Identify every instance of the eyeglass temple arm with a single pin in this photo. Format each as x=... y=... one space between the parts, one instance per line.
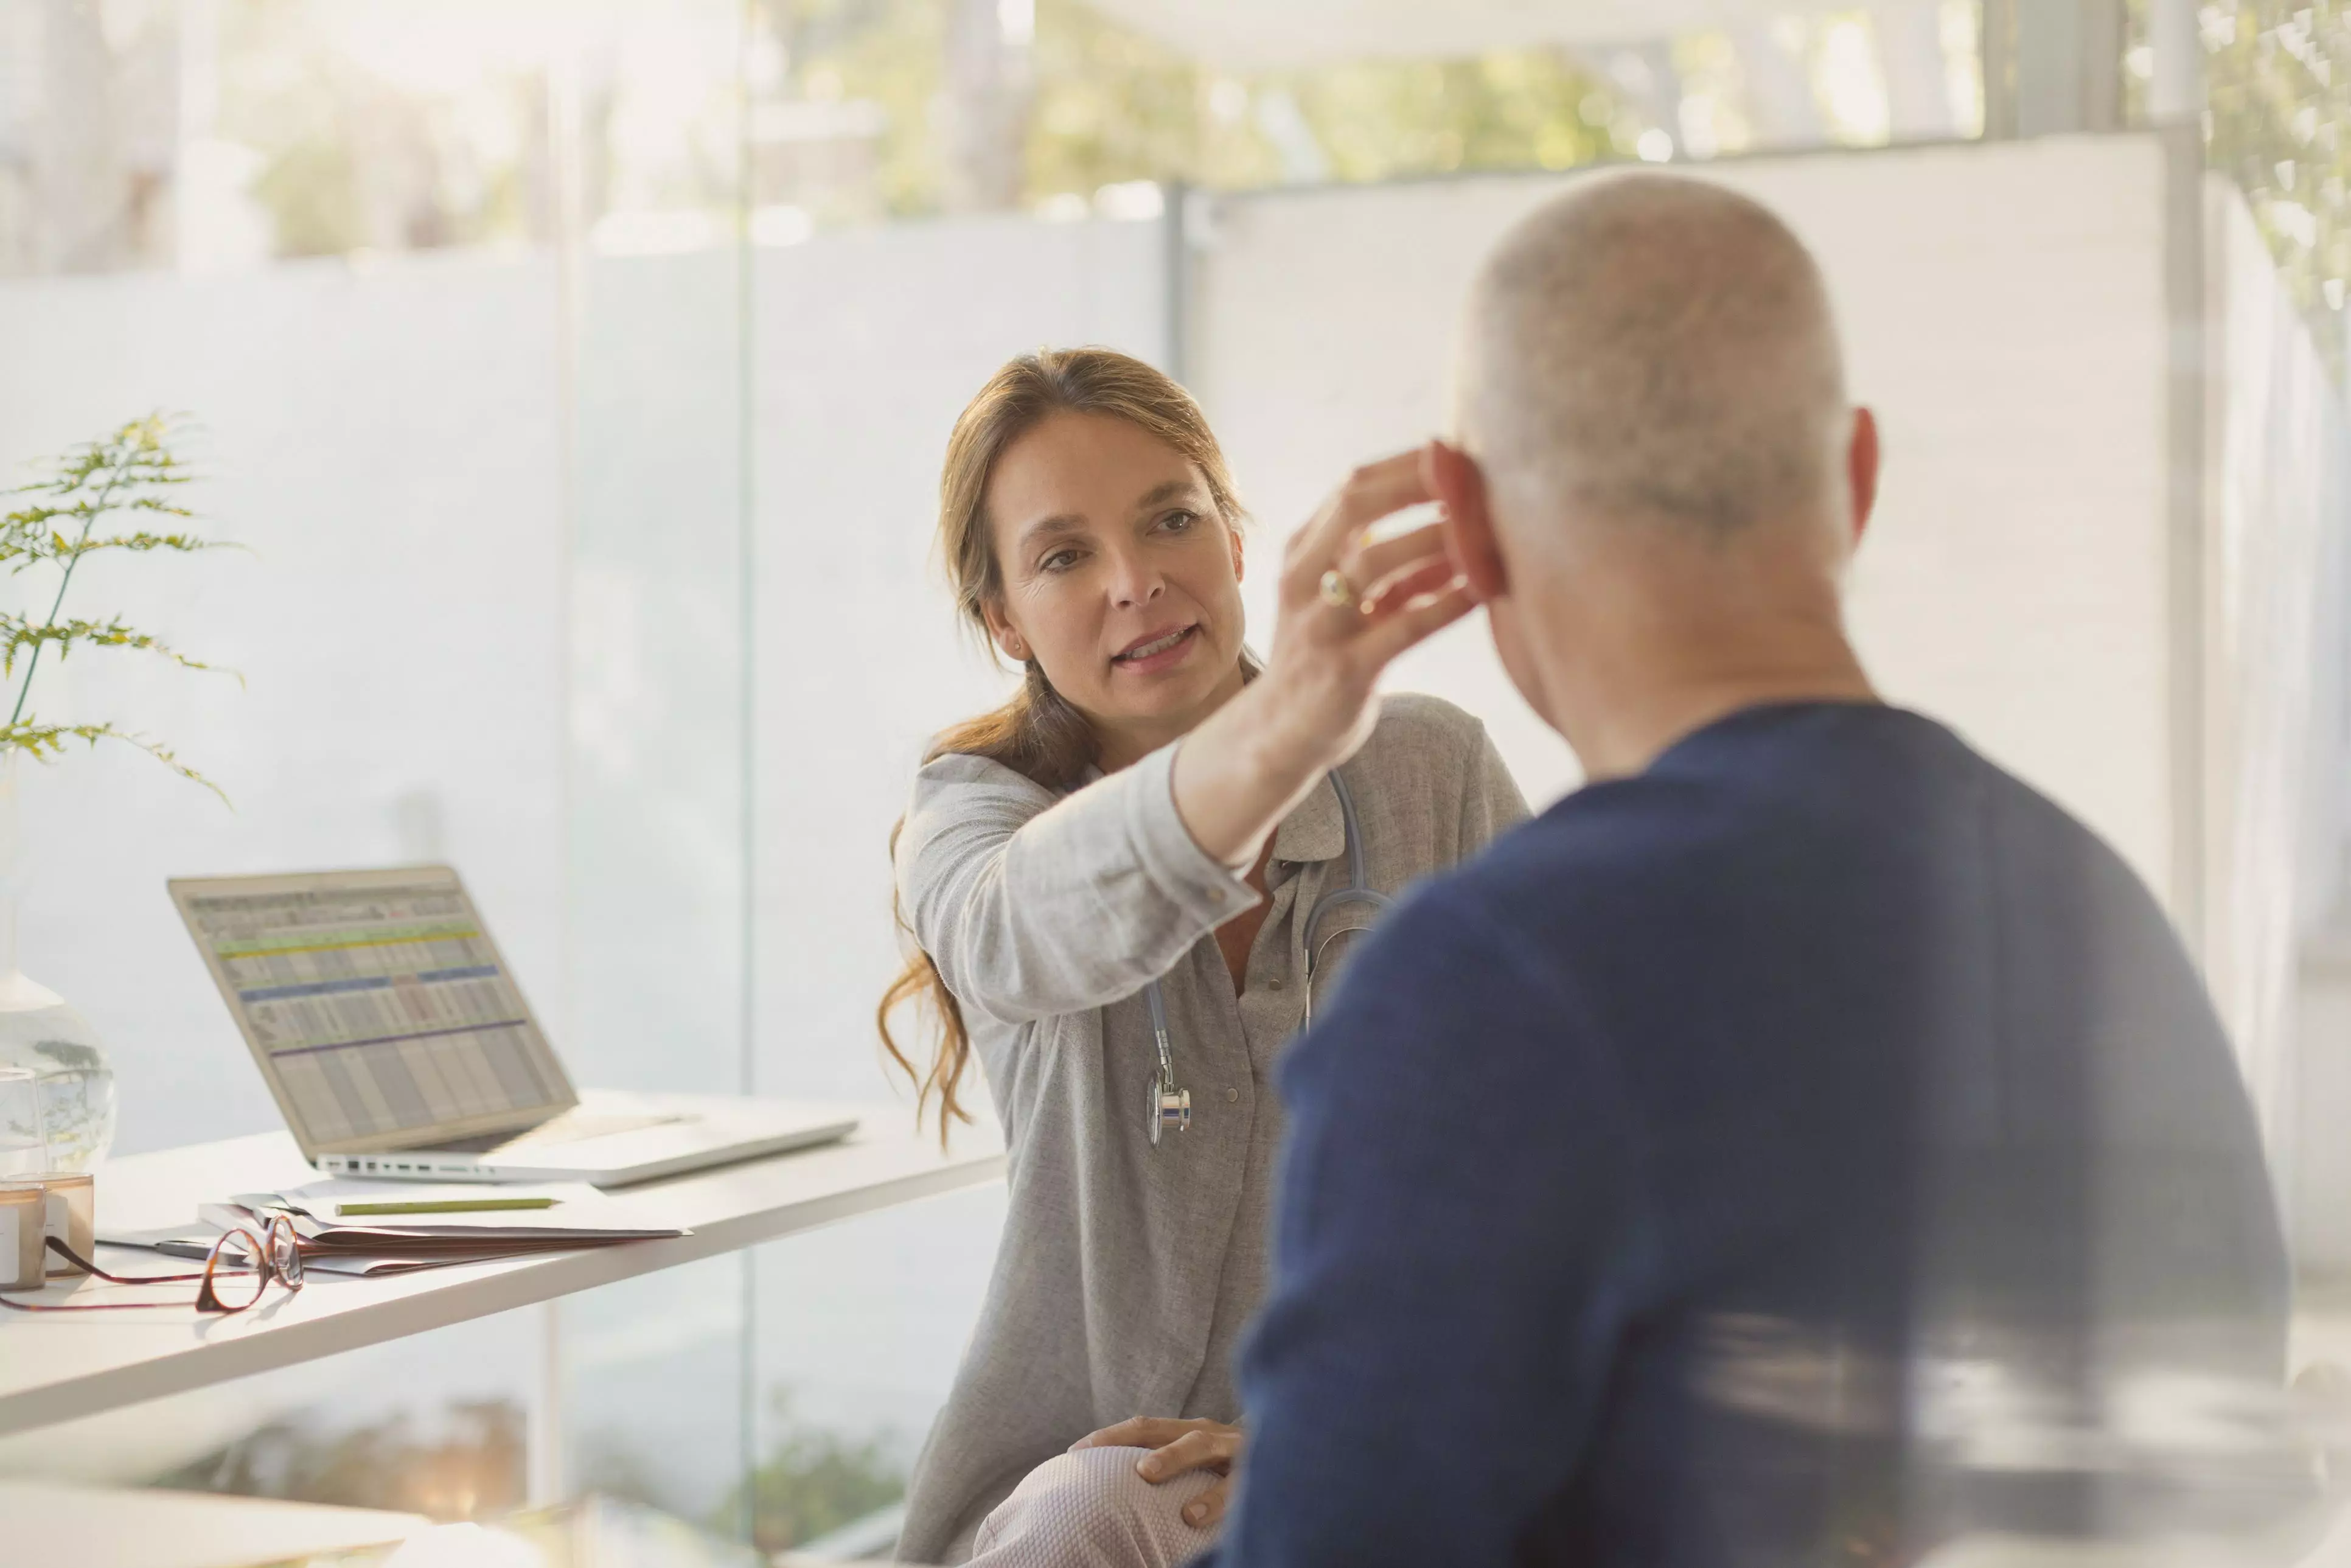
x=86 y=1267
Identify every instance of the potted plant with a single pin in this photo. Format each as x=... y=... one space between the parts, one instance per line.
x=118 y=492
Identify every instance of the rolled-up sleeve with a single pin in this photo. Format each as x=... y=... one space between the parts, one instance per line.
x=1033 y=904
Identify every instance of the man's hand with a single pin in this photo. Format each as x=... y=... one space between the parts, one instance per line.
x=1176 y=1448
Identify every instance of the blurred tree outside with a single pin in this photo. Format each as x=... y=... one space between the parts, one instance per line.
x=245 y=130
x=836 y=84
x=468 y=1465
x=811 y=1482
x=318 y=127
x=89 y=120
x=1107 y=107
x=350 y=160
x=158 y=134
x=2279 y=124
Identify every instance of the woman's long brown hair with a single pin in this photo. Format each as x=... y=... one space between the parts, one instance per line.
x=1038 y=734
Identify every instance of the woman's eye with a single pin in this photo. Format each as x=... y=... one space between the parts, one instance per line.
x=1178 y=522
x=1059 y=561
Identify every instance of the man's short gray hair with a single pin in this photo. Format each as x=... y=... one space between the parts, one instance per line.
x=1654 y=348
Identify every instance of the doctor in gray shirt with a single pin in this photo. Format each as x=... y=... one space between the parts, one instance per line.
x=1151 y=807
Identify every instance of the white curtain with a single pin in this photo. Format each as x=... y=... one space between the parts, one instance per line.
x=2272 y=681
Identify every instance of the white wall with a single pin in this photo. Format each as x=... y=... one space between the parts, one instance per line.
x=868 y=347
x=2003 y=311
x=2274 y=555
x=384 y=441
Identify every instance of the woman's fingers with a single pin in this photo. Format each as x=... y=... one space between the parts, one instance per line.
x=1371 y=493
x=1135 y=1432
x=1317 y=704
x=1412 y=580
x=1178 y=1447
x=1369 y=562
x=1209 y=1509
x=1417 y=620
x=1200 y=1448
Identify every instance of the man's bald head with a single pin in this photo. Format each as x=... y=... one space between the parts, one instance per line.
x=1656 y=350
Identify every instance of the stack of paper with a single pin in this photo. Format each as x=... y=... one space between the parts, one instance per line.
x=373 y=1227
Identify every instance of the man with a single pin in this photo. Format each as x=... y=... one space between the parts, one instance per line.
x=1797 y=1145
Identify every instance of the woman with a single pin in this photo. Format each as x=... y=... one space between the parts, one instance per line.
x=1149 y=789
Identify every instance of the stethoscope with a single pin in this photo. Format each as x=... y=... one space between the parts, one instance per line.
x=1171 y=1106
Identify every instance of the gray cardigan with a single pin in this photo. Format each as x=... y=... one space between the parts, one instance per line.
x=1124 y=1272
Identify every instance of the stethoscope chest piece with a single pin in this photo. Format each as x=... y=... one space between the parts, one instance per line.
x=1172 y=1106
x=1169 y=1108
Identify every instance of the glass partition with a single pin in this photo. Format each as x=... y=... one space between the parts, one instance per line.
x=453 y=298
x=578 y=373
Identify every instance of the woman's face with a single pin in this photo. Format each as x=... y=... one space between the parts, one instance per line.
x=1121 y=580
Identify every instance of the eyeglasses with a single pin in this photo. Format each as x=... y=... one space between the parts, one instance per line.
x=236 y=1272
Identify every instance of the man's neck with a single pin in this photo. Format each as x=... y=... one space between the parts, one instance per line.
x=1622 y=736
x=1640 y=676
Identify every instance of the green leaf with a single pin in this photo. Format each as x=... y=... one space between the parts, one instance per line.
x=47 y=742
x=18 y=635
x=55 y=524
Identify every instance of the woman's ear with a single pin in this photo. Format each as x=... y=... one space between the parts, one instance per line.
x=1006 y=635
x=1240 y=556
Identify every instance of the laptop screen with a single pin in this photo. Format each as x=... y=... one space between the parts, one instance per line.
x=377 y=1004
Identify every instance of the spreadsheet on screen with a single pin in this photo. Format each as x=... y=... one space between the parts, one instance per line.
x=380 y=1008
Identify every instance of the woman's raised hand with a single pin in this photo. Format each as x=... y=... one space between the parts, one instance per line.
x=1177 y=1448
x=1330 y=647
x=1349 y=605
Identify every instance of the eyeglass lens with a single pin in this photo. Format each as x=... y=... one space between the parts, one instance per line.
x=236 y=1272
x=241 y=1266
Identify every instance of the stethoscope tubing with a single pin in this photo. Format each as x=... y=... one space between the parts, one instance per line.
x=1171 y=1105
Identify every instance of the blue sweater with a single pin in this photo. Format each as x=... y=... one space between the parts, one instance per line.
x=1669 y=1184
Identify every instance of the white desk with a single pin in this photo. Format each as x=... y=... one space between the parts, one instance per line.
x=55 y=1366
x=52 y=1523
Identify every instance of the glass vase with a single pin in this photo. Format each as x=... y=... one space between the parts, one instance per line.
x=39 y=1031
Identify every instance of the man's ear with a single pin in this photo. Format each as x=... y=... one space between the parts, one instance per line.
x=1453 y=477
x=1861 y=460
x=1006 y=635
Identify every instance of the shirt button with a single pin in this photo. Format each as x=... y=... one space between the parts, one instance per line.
x=1232 y=1093
x=1273 y=985
x=1215 y=895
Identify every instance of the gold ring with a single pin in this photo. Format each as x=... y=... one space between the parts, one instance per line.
x=1338 y=592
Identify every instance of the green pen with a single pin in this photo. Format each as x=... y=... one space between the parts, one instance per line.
x=445 y=1206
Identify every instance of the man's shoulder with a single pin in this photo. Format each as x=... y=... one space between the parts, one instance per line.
x=1515 y=913
x=1879 y=800
x=1596 y=845
x=1663 y=848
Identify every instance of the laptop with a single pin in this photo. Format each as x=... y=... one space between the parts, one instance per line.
x=398 y=1045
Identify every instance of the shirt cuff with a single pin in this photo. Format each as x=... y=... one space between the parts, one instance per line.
x=1171 y=857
